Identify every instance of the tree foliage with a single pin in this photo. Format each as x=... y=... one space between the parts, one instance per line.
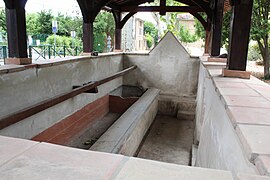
x=225 y=33
x=260 y=30
x=181 y=32
x=104 y=26
x=151 y=33
x=63 y=41
x=44 y=22
x=3 y=27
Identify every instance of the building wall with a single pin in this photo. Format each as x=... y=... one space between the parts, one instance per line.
x=140 y=42
x=133 y=35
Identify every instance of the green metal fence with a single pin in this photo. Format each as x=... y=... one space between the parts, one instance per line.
x=3 y=52
x=48 y=51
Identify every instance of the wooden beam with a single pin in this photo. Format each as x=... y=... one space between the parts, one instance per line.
x=125 y=19
x=187 y=2
x=34 y=109
x=88 y=37
x=200 y=18
x=204 y=6
x=119 y=24
x=159 y=9
x=118 y=30
x=16 y=28
x=239 y=35
x=162 y=5
x=217 y=28
x=138 y=2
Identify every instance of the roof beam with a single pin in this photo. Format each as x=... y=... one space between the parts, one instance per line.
x=204 y=6
x=159 y=9
x=187 y=2
x=162 y=5
x=200 y=18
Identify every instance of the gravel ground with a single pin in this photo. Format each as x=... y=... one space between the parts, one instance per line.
x=256 y=70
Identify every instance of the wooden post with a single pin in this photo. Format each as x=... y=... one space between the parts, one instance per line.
x=118 y=38
x=207 y=41
x=239 y=35
x=88 y=37
x=217 y=28
x=16 y=30
x=118 y=30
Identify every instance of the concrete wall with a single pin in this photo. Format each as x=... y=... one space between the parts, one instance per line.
x=219 y=145
x=167 y=67
x=48 y=79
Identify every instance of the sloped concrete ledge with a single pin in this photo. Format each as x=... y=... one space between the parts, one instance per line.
x=240 y=109
x=25 y=160
x=126 y=134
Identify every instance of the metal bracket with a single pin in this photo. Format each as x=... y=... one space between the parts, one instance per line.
x=94 y=90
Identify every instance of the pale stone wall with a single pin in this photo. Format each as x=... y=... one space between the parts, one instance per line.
x=167 y=67
x=29 y=86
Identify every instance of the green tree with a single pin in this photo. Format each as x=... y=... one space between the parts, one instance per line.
x=200 y=32
x=31 y=24
x=152 y=31
x=260 y=30
x=3 y=27
x=44 y=22
x=104 y=26
x=182 y=33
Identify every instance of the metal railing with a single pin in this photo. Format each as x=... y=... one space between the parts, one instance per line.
x=34 y=109
x=3 y=52
x=43 y=52
x=48 y=51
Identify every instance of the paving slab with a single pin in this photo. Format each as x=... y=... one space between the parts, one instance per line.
x=263 y=165
x=135 y=169
x=249 y=115
x=13 y=147
x=255 y=139
x=247 y=101
x=238 y=91
x=229 y=84
x=48 y=161
x=251 y=177
x=264 y=90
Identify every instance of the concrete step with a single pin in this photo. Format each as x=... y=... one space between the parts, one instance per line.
x=185 y=115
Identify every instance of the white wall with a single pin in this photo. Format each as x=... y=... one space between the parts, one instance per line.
x=168 y=67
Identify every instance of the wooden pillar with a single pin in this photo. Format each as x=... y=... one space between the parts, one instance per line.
x=16 y=31
x=88 y=37
x=239 y=35
x=216 y=30
x=118 y=30
x=207 y=41
x=118 y=38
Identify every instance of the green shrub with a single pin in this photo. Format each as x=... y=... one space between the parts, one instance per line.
x=62 y=41
x=254 y=53
x=149 y=40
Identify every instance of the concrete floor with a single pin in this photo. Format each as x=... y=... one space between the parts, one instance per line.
x=169 y=140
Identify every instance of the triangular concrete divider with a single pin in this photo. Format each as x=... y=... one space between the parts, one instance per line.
x=169 y=40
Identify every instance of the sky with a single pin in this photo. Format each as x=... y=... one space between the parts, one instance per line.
x=69 y=7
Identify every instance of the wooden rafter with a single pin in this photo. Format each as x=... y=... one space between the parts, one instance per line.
x=201 y=19
x=12 y=4
x=204 y=6
x=159 y=9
